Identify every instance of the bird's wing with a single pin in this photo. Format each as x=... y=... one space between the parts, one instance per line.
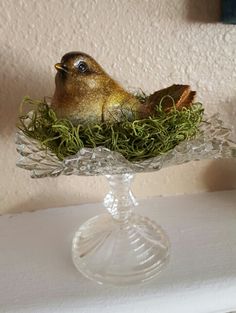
x=176 y=95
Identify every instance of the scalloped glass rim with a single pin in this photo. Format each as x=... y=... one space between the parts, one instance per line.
x=213 y=142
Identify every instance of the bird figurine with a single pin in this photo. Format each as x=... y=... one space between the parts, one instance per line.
x=86 y=93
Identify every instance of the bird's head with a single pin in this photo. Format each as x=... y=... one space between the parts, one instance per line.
x=78 y=72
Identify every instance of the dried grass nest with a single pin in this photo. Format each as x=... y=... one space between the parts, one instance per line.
x=135 y=140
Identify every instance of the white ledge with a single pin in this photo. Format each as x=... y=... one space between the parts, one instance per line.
x=37 y=274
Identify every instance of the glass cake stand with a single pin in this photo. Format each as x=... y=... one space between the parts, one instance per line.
x=121 y=247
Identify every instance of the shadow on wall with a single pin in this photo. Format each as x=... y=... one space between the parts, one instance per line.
x=44 y=193
x=41 y=203
x=220 y=175
x=203 y=11
x=56 y=200
x=18 y=80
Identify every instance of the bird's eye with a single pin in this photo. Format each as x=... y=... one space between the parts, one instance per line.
x=82 y=67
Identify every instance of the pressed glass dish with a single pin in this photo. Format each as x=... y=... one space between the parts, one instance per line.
x=121 y=247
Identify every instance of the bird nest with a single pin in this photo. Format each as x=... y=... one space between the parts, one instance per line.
x=136 y=140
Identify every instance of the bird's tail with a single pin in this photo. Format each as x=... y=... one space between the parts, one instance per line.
x=179 y=96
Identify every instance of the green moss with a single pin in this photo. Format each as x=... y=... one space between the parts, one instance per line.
x=136 y=140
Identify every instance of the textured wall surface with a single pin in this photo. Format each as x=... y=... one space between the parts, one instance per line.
x=149 y=44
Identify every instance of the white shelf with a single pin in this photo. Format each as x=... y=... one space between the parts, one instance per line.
x=37 y=274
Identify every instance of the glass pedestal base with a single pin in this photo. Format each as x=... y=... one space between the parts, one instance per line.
x=131 y=250
x=122 y=247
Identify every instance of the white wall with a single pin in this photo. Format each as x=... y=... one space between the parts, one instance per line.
x=149 y=44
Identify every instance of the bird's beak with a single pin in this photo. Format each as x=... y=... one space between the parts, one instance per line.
x=60 y=67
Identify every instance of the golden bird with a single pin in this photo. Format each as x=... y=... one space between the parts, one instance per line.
x=86 y=93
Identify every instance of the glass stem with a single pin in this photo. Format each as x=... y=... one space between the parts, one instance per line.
x=120 y=201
